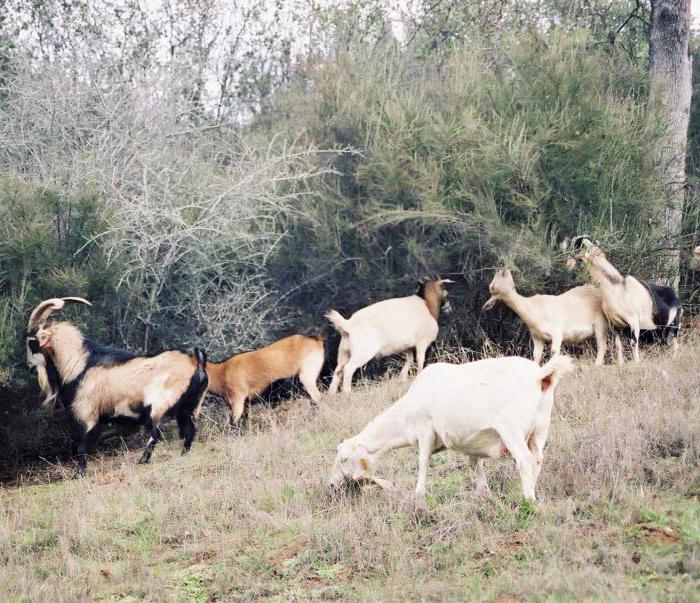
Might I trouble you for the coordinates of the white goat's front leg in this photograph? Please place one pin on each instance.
(403, 375)
(518, 449)
(421, 348)
(600, 331)
(426, 442)
(479, 477)
(537, 349)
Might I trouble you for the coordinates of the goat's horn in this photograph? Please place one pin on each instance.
(45, 308)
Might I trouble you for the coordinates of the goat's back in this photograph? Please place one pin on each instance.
(474, 396)
(397, 323)
(257, 369)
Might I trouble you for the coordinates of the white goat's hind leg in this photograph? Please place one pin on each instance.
(635, 333)
(536, 445)
(537, 349)
(523, 460)
(618, 349)
(425, 448)
(479, 477)
(555, 347)
(403, 375)
(343, 357)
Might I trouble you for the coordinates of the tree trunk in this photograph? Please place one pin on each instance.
(670, 92)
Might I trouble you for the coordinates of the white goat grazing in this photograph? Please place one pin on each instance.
(627, 302)
(389, 327)
(573, 316)
(484, 409)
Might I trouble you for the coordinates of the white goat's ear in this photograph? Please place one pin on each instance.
(361, 465)
(373, 480)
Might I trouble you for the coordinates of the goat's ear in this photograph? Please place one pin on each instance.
(445, 281)
(570, 264)
(490, 303)
(361, 465)
(373, 480)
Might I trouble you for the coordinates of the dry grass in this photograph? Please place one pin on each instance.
(248, 518)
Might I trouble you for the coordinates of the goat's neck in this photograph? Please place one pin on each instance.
(520, 304)
(431, 300)
(68, 353)
(385, 433)
(603, 273)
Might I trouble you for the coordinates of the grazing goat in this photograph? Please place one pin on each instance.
(573, 316)
(485, 409)
(627, 302)
(250, 373)
(99, 384)
(402, 324)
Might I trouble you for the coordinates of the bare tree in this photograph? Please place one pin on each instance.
(671, 90)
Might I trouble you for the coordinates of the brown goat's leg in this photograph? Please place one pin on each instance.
(239, 416)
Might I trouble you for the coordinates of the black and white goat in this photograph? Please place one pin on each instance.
(643, 308)
(99, 384)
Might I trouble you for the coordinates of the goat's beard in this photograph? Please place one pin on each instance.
(39, 362)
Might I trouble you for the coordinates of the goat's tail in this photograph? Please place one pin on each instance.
(342, 325)
(553, 370)
(191, 401)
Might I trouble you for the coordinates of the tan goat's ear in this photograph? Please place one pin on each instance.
(570, 264)
(490, 303)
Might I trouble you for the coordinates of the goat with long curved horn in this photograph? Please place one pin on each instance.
(45, 308)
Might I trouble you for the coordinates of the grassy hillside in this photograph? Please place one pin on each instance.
(248, 518)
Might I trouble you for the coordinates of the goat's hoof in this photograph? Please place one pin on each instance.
(144, 460)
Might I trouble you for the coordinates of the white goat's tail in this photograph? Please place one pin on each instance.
(553, 370)
(342, 325)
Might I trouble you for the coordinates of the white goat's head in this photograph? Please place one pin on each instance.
(353, 463)
(583, 250)
(501, 286)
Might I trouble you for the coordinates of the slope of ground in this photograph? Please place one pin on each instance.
(249, 518)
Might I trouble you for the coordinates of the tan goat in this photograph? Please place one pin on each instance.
(250, 373)
(401, 324)
(573, 316)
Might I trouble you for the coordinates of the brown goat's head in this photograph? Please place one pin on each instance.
(432, 289)
(39, 340)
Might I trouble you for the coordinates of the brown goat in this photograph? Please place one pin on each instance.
(250, 373)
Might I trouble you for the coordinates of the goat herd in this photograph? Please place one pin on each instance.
(485, 409)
